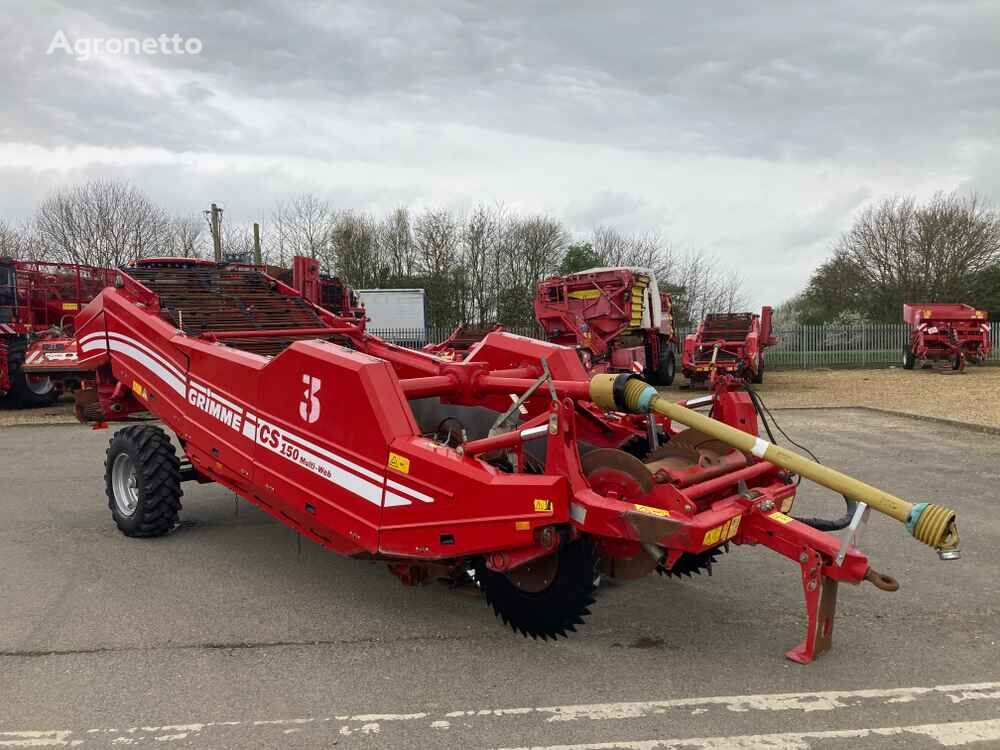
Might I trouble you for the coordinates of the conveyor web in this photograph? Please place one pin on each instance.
(207, 299)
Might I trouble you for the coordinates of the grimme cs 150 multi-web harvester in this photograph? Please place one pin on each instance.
(616, 318)
(38, 300)
(514, 465)
(728, 344)
(945, 331)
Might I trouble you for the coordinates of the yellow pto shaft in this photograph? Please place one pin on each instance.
(934, 525)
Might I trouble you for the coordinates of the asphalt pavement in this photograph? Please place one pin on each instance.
(230, 633)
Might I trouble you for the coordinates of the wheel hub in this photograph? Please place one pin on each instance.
(124, 485)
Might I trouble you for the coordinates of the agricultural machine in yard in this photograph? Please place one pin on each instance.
(728, 344)
(615, 318)
(38, 300)
(944, 331)
(515, 466)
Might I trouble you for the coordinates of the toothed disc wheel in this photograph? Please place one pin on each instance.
(689, 563)
(547, 599)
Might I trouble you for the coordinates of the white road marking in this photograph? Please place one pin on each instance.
(953, 734)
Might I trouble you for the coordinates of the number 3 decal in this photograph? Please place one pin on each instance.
(309, 406)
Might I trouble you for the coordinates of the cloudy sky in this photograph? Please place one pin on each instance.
(752, 130)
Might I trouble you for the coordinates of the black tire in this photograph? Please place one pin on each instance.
(142, 467)
(909, 360)
(666, 365)
(554, 610)
(958, 362)
(25, 393)
(758, 377)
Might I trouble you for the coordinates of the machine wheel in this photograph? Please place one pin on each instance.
(958, 362)
(666, 366)
(546, 598)
(27, 392)
(758, 377)
(909, 360)
(143, 481)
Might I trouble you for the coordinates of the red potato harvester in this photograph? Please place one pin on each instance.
(38, 301)
(728, 344)
(513, 463)
(946, 331)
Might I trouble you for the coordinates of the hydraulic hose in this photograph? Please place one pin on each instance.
(934, 525)
(821, 524)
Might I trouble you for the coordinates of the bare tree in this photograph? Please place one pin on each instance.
(641, 250)
(535, 245)
(901, 251)
(102, 223)
(437, 264)
(358, 251)
(305, 226)
(187, 237)
(19, 242)
(395, 237)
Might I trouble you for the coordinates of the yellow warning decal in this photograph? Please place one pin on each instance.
(652, 511)
(722, 533)
(585, 294)
(399, 463)
(734, 524)
(140, 390)
(522, 526)
(781, 517)
(543, 505)
(70, 306)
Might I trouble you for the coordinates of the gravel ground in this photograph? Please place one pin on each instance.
(972, 396)
(60, 412)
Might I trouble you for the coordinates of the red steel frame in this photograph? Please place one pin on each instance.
(322, 437)
(950, 331)
(728, 344)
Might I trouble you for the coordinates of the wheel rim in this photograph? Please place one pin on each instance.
(38, 385)
(124, 485)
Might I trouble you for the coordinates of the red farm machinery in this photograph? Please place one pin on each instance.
(514, 468)
(728, 344)
(38, 300)
(615, 318)
(945, 331)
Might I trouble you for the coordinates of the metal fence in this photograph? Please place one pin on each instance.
(798, 347)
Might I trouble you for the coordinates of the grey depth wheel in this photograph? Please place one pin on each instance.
(143, 481)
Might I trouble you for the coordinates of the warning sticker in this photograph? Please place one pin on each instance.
(399, 463)
(652, 511)
(543, 505)
(781, 517)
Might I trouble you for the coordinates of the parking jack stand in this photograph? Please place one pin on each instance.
(821, 606)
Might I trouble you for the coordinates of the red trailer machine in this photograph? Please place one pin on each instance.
(946, 331)
(728, 344)
(616, 318)
(513, 466)
(38, 300)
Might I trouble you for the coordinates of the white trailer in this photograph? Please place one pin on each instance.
(394, 309)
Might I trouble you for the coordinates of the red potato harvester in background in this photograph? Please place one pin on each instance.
(39, 300)
(944, 331)
(513, 463)
(728, 344)
(617, 319)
